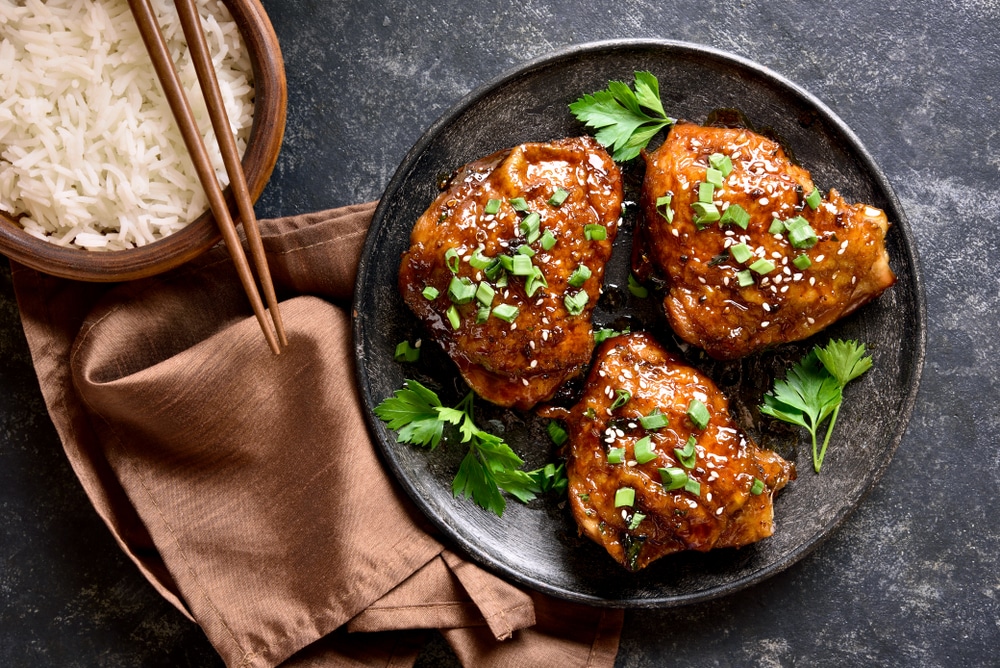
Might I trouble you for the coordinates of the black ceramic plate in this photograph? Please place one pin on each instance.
(537, 544)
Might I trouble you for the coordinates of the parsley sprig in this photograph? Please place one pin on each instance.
(419, 417)
(813, 390)
(625, 120)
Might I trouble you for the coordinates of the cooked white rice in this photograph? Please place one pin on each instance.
(90, 155)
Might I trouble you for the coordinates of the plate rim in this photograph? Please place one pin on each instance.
(591, 48)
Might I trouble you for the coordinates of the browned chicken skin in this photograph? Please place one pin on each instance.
(721, 507)
(705, 302)
(524, 360)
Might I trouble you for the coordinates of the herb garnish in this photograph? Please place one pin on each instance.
(813, 390)
(418, 416)
(619, 117)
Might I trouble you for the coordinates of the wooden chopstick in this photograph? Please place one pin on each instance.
(152, 36)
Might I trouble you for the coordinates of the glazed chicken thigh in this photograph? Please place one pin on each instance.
(656, 465)
(505, 267)
(751, 255)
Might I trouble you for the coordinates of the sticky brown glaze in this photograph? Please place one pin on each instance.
(723, 512)
(704, 302)
(522, 362)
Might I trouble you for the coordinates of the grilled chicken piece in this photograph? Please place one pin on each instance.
(718, 501)
(540, 268)
(709, 302)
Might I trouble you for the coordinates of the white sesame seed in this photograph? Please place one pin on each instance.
(545, 335)
(766, 306)
(525, 382)
(675, 232)
(812, 280)
(534, 363)
(811, 321)
(819, 258)
(763, 201)
(719, 510)
(764, 324)
(708, 496)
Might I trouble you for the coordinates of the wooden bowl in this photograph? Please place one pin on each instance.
(263, 145)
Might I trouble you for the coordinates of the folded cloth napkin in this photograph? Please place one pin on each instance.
(245, 486)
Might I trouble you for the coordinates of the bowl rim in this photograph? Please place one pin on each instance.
(259, 160)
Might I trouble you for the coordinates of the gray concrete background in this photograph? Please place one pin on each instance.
(910, 579)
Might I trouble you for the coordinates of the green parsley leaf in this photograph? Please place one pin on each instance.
(490, 466)
(813, 390)
(620, 115)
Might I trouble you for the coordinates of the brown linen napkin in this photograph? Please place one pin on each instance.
(245, 486)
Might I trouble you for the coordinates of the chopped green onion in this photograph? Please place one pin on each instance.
(636, 288)
(706, 191)
(636, 520)
(505, 312)
(602, 335)
(483, 314)
(757, 487)
(625, 496)
(529, 227)
(580, 276)
(593, 232)
(576, 303)
(741, 252)
(494, 268)
(705, 214)
(795, 223)
(655, 420)
(693, 486)
(485, 293)
(535, 281)
(802, 261)
(430, 293)
(492, 207)
(698, 413)
(621, 398)
(777, 227)
(501, 280)
(452, 259)
(714, 176)
(406, 353)
(813, 199)
(548, 240)
(461, 290)
(644, 452)
(802, 237)
(616, 455)
(519, 204)
(507, 262)
(721, 162)
(558, 197)
(687, 455)
(478, 260)
(453, 317)
(762, 266)
(556, 432)
(744, 278)
(663, 207)
(525, 249)
(521, 265)
(673, 478)
(735, 215)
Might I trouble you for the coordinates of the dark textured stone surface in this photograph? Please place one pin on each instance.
(910, 579)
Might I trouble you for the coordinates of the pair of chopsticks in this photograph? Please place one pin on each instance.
(152, 36)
